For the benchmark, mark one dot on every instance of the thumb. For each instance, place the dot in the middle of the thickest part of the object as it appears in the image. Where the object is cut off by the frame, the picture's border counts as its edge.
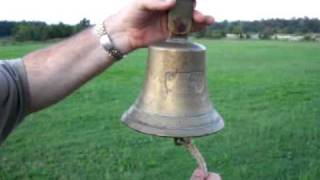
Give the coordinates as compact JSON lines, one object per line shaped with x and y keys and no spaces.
{"x":156,"y":5}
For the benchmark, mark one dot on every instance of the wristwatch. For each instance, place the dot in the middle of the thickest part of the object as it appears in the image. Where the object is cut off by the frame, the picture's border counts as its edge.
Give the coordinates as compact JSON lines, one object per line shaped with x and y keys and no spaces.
{"x":107,"y":43}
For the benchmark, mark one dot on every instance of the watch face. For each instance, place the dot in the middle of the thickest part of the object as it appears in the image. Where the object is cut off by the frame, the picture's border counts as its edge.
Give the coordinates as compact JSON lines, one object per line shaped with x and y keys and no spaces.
{"x":106,"y":42}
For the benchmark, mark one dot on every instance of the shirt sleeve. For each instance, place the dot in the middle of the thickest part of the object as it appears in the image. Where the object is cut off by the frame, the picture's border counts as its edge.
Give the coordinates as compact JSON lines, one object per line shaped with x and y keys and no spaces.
{"x":14,"y":96}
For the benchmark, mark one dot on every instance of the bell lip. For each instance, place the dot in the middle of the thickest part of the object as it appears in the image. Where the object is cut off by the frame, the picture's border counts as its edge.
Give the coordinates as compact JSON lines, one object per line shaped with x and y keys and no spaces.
{"x":178,"y":133}
{"x":131,"y":126}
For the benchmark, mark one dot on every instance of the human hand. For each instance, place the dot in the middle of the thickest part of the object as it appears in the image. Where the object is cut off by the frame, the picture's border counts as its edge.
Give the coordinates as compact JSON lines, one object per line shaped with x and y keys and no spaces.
{"x":198,"y":174}
{"x":144,"y":22}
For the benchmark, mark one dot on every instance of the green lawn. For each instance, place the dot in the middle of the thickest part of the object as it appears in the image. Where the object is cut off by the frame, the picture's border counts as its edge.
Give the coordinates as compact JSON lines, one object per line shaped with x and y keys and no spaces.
{"x":267,"y":91}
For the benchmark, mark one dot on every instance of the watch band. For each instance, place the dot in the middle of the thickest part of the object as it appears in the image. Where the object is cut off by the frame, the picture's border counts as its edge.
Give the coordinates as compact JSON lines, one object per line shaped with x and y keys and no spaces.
{"x":107,"y":43}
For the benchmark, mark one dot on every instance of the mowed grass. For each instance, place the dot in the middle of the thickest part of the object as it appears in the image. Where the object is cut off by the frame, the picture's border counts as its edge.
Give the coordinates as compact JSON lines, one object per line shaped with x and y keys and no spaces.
{"x":268,"y":93}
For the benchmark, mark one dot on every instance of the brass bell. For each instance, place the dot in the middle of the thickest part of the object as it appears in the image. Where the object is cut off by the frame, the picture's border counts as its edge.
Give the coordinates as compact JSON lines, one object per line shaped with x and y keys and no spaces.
{"x":174,"y":101}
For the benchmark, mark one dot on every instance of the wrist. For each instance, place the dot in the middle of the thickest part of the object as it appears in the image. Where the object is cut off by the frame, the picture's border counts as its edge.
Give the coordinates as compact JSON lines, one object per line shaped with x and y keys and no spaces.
{"x":118,"y":35}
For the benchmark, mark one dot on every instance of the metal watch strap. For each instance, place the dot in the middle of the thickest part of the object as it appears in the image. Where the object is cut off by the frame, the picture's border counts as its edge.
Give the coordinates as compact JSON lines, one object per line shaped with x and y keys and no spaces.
{"x":110,"y":48}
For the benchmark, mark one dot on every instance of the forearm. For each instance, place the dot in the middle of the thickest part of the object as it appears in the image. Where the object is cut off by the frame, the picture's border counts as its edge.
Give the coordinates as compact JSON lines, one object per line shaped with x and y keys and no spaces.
{"x":57,"y":71}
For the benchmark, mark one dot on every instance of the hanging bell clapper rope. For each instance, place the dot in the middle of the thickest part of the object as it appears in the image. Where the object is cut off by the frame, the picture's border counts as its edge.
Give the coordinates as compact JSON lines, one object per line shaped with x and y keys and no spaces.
{"x":187,"y":143}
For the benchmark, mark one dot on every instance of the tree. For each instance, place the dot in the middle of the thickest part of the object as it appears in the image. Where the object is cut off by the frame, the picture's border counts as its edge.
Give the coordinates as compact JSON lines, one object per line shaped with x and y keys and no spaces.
{"x":6,"y":28}
{"x":60,"y":31}
{"x":83,"y":24}
{"x":22,"y":33}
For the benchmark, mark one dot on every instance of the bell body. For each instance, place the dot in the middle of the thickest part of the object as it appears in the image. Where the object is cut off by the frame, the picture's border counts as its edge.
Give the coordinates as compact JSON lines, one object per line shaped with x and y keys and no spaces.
{"x":174,"y":101}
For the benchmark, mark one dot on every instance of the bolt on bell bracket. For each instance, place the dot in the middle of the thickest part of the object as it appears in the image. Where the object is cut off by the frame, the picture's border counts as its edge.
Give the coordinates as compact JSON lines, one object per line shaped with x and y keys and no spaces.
{"x":180,"y":19}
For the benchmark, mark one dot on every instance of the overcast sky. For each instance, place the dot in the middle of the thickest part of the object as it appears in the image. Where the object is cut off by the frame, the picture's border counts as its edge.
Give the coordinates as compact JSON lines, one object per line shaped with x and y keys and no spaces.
{"x":71,"y":11}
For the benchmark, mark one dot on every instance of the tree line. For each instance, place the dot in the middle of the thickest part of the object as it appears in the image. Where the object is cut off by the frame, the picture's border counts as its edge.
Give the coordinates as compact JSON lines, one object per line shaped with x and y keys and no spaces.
{"x":39,"y":31}
{"x":264,"y":28}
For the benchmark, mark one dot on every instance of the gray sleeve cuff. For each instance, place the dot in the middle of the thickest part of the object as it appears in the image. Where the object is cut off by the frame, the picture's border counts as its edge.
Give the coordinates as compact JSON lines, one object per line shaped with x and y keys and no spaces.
{"x":22,"y":78}
{"x":15,"y":96}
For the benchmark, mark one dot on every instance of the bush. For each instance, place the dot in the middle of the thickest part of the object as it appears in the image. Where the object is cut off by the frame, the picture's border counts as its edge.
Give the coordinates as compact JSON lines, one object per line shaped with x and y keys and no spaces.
{"x":308,"y":37}
{"x":211,"y":34}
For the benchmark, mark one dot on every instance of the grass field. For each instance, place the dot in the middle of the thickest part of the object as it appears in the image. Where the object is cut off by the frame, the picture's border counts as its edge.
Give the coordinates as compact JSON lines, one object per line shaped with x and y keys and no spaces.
{"x":268,"y":93}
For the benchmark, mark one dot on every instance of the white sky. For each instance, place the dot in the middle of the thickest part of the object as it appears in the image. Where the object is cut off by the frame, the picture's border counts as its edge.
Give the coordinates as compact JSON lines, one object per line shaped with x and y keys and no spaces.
{"x":71,"y":11}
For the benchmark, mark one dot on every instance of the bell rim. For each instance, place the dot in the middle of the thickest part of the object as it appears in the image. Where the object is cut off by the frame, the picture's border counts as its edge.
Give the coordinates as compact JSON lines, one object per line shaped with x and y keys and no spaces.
{"x":216,"y":124}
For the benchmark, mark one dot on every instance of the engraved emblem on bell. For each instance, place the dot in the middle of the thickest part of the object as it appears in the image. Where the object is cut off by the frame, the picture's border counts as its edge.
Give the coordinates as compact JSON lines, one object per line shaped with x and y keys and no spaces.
{"x":184,"y":83}
{"x":174,"y":101}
